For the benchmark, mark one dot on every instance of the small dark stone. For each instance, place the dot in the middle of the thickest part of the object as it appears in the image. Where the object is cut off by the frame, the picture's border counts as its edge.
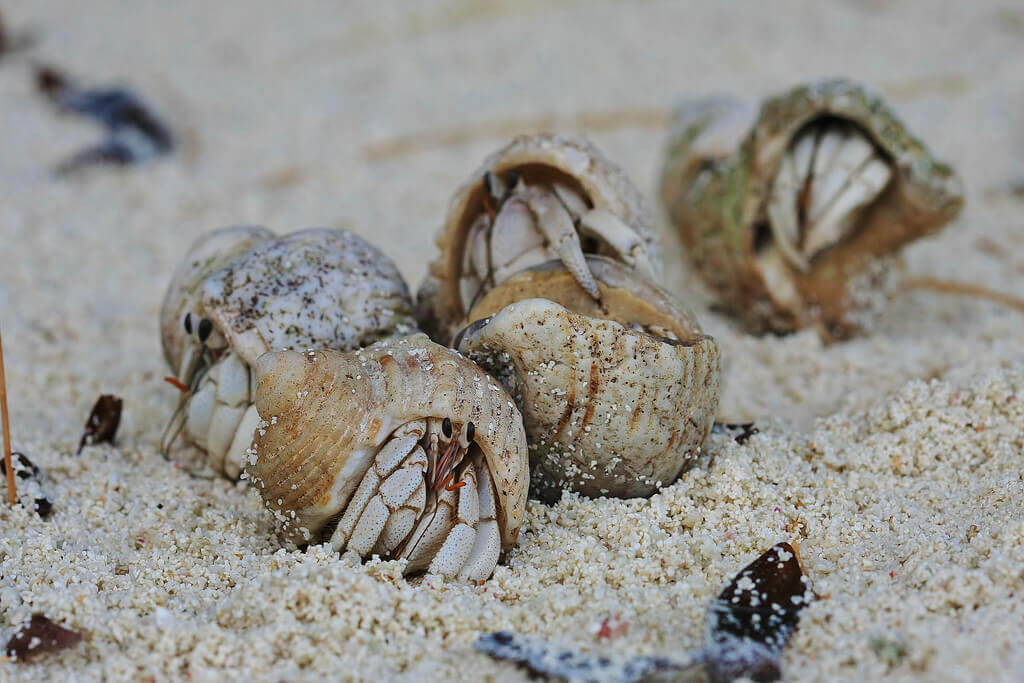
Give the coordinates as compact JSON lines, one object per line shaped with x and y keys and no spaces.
{"x":43,"y":507}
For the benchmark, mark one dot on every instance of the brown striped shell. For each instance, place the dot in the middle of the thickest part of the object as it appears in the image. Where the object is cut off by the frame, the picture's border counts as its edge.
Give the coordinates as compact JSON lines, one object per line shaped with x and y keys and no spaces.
{"x":617,"y":397}
{"x":326,"y":415}
{"x":722,"y":163}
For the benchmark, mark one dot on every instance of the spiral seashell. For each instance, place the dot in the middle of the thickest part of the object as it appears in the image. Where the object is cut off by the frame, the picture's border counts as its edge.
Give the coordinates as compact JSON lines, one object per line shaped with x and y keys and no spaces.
{"x":541,"y":197}
{"x":617,"y":396}
{"x":242,"y":291}
{"x":795,"y":213}
{"x":403,"y":449}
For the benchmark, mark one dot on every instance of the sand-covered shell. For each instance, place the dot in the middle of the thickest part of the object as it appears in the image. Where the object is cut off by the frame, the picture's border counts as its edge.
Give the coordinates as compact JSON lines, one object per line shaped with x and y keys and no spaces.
{"x":340,"y":453}
{"x":240,"y":292}
{"x":539,"y":197}
{"x":794,"y":212}
{"x":618,"y":396}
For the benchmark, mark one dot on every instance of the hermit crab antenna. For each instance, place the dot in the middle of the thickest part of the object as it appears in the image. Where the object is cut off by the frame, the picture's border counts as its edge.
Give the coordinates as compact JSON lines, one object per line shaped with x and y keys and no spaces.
{"x":12,"y":490}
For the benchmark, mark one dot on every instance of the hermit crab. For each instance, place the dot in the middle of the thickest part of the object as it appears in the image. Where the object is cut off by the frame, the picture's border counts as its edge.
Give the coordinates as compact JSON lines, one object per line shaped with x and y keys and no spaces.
{"x":403,"y":449}
{"x":617,"y":393}
{"x":794,"y":213}
{"x":539,"y":198}
{"x":242,"y":291}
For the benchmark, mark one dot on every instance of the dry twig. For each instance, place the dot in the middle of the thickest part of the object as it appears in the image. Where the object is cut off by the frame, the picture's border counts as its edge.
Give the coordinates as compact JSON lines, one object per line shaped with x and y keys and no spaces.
{"x":12,"y":489}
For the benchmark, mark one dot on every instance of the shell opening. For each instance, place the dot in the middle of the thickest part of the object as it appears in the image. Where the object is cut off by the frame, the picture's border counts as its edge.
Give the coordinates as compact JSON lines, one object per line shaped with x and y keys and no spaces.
{"x":523,"y":215}
{"x":829,"y":177}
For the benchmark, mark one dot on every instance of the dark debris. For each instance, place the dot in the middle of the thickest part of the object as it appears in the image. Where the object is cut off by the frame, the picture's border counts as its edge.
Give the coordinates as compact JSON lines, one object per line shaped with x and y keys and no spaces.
{"x":38,"y":635}
{"x":103,"y":421}
{"x":23,"y":467}
{"x":28,"y":470}
{"x":134,"y":134}
{"x":746,"y":629}
{"x":745,"y":430}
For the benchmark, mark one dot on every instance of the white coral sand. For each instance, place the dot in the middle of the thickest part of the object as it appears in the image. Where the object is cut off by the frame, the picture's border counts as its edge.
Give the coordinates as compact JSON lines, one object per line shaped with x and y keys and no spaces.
{"x":896,"y":460}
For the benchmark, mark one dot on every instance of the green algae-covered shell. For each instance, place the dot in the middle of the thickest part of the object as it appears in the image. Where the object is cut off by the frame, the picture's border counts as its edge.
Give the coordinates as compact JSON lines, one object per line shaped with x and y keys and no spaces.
{"x":720,"y":165}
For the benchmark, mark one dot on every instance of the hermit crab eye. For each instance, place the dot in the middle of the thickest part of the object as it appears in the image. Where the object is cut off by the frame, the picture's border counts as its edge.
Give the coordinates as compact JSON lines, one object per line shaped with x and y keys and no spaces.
{"x":205,"y":328}
{"x":446,"y":428}
{"x":188,"y":323}
{"x":468,"y":432}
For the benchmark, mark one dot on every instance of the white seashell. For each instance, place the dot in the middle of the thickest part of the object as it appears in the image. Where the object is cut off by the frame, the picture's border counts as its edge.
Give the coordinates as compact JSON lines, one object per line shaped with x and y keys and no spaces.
{"x":240,"y":292}
{"x":355,"y":446}
{"x":617,"y":397}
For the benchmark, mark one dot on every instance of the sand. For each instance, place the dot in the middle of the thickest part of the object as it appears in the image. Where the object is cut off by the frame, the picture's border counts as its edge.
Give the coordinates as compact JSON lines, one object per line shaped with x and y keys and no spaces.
{"x":896,"y":460}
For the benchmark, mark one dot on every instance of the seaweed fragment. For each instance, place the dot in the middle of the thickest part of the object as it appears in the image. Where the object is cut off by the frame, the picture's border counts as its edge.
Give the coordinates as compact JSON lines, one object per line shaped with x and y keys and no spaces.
{"x":134,"y":134}
{"x":103,"y":421}
{"x":37,"y":635}
{"x":746,"y":628}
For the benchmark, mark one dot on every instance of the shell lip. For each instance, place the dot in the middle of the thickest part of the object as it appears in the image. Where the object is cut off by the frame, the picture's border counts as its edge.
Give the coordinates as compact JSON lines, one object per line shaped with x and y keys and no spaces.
{"x":626,"y":298}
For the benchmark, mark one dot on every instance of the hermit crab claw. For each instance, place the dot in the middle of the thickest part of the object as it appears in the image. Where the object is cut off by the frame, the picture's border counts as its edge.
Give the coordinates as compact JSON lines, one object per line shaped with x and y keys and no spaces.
{"x":794,"y":213}
{"x":404,"y":450}
{"x":541,"y":197}
{"x":617,"y":395}
{"x":242,"y":291}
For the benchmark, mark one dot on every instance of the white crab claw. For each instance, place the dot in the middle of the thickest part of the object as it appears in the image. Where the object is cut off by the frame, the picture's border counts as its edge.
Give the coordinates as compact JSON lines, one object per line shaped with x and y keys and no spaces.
{"x":624,"y":240}
{"x":555,"y":223}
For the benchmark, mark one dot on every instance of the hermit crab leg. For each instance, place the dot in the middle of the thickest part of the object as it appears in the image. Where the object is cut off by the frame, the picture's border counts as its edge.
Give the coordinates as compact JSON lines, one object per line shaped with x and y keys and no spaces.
{"x":487,"y":544}
{"x":783,"y":218}
{"x":459,"y":541}
{"x":555,"y":223}
{"x":196,"y":361}
{"x":854,"y":179}
{"x":513,"y":232}
{"x":620,"y":237}
{"x":402,"y":456}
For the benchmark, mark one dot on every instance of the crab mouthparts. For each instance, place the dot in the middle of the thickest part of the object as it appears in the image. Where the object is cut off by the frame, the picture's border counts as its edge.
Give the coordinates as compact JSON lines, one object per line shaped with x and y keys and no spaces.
{"x":446,"y":467}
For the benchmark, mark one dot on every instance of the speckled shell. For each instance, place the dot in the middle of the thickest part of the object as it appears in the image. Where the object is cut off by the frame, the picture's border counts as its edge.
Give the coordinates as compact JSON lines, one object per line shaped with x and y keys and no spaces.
{"x":208,"y":254}
{"x":574,"y":159}
{"x":313,"y":288}
{"x":328,"y":413}
{"x":722,"y":159}
{"x":609,"y":410}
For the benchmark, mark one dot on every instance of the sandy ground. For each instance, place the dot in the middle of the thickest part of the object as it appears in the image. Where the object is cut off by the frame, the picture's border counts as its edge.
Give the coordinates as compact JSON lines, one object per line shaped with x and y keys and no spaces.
{"x":896,"y":460}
